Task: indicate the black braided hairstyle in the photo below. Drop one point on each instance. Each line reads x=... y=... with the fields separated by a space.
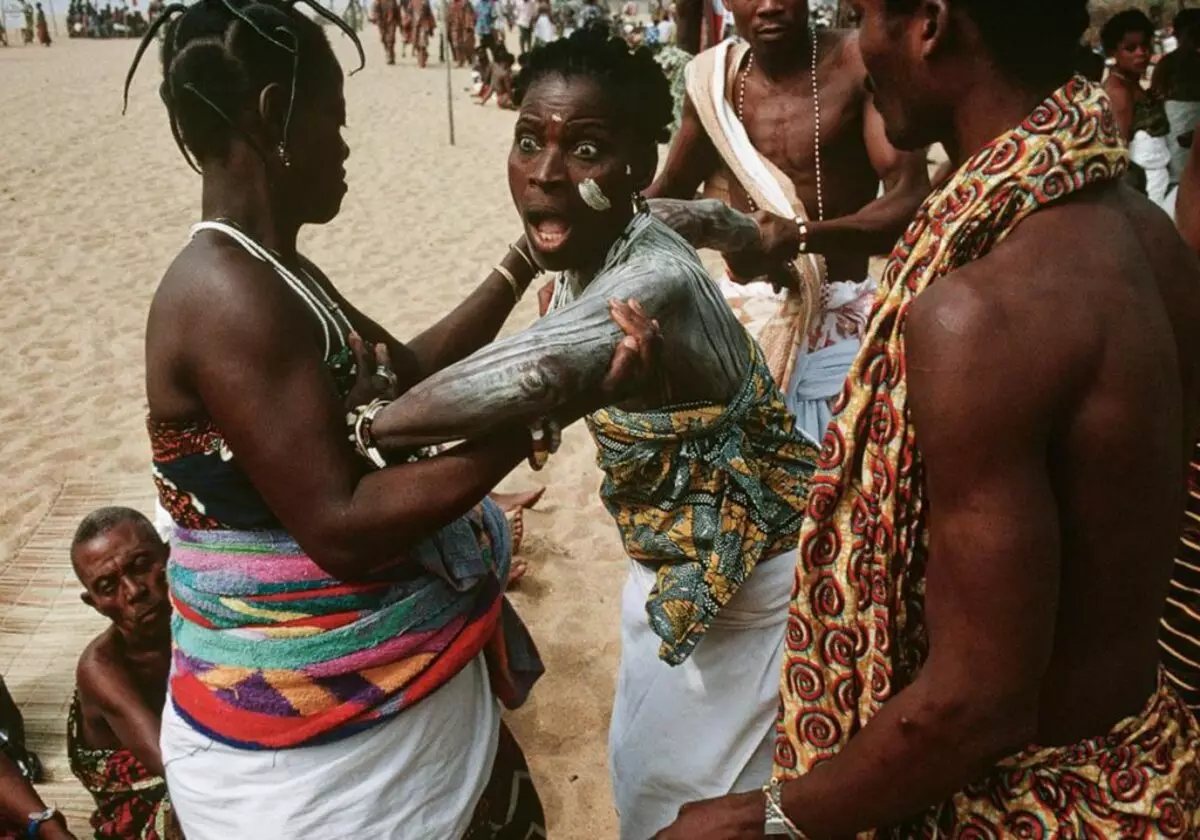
x=632 y=75
x=219 y=54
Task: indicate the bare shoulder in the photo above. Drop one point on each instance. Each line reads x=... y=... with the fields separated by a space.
x=216 y=295
x=843 y=48
x=215 y=276
x=1027 y=311
x=98 y=662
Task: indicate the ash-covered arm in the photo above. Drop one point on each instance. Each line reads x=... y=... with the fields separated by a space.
x=556 y=363
x=708 y=223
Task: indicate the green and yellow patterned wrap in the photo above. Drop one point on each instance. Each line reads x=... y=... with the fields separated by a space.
x=704 y=492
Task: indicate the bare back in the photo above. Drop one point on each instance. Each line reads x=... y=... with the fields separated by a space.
x=1119 y=455
x=1085 y=357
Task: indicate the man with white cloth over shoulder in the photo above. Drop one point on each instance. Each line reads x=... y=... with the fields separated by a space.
x=782 y=122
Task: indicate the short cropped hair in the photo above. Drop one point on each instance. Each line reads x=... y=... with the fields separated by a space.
x=1030 y=40
x=103 y=520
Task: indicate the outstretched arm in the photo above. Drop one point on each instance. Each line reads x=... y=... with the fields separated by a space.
x=875 y=228
x=469 y=326
x=542 y=371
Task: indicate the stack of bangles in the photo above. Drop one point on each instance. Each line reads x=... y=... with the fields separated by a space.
x=518 y=288
x=545 y=436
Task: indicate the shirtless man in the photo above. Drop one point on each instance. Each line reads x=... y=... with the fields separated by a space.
x=768 y=91
x=122 y=675
x=1012 y=446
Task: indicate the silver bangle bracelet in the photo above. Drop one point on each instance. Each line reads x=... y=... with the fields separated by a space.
x=359 y=421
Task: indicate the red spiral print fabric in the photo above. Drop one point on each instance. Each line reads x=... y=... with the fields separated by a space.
x=856 y=631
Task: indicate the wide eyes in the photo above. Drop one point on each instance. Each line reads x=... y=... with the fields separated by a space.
x=586 y=151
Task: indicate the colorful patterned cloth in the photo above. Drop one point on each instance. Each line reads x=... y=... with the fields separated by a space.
x=271 y=652
x=131 y=802
x=1180 y=634
x=704 y=493
x=856 y=632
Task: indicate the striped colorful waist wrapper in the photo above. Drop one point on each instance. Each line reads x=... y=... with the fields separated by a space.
x=270 y=652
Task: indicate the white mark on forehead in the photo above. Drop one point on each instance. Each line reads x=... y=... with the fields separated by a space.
x=556 y=118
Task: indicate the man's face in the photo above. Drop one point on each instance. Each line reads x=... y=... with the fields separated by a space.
x=123 y=572
x=770 y=24
x=891 y=44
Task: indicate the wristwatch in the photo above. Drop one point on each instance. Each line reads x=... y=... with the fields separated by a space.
x=38 y=819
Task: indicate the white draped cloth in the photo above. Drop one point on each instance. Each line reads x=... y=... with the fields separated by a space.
x=417 y=776
x=820 y=360
x=704 y=728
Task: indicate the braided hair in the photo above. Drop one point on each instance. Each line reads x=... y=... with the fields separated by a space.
x=646 y=102
x=218 y=55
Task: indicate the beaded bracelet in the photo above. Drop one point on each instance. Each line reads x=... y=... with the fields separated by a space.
x=775 y=817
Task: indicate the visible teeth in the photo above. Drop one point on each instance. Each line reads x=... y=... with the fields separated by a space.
x=551 y=232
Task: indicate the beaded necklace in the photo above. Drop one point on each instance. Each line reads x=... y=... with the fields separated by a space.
x=741 y=115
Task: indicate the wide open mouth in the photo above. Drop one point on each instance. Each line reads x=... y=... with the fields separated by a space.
x=548 y=231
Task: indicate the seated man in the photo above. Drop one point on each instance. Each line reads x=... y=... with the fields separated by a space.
x=121 y=680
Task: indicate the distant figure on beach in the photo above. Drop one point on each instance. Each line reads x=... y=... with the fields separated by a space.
x=461 y=22
x=27 y=31
x=423 y=25
x=499 y=81
x=526 y=12
x=385 y=14
x=43 y=31
x=486 y=14
x=121 y=681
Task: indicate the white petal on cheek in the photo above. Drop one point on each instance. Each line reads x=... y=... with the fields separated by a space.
x=593 y=196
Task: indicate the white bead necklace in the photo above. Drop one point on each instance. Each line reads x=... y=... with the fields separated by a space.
x=741 y=115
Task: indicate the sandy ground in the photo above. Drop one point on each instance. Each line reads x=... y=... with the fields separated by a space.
x=94 y=206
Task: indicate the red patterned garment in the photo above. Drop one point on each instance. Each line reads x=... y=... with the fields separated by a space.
x=131 y=802
x=856 y=631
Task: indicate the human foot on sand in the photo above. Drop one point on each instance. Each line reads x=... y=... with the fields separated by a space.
x=510 y=502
